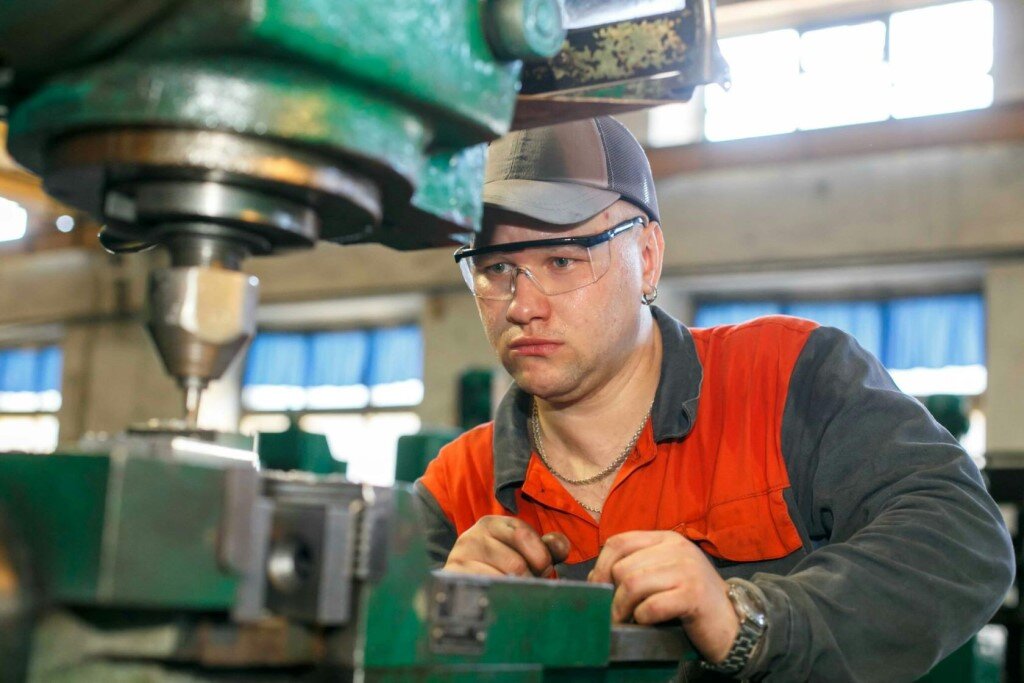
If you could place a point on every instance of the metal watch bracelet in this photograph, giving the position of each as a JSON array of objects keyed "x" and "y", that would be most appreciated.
[{"x": 753, "y": 624}]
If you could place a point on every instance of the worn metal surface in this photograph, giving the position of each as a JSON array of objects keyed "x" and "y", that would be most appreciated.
[
  {"x": 647, "y": 644},
  {"x": 621, "y": 57}
]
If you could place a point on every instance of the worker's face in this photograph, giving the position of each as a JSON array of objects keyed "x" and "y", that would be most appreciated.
[{"x": 565, "y": 346}]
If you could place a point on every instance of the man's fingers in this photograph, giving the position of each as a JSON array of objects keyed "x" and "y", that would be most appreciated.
[
  {"x": 640, "y": 585},
  {"x": 558, "y": 546},
  {"x": 620, "y": 546},
  {"x": 522, "y": 538},
  {"x": 642, "y": 559},
  {"x": 662, "y": 606},
  {"x": 472, "y": 567}
]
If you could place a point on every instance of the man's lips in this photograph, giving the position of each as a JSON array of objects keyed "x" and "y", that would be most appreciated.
[{"x": 534, "y": 346}]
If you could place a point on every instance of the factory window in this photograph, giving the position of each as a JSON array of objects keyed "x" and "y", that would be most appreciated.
[
  {"x": 13, "y": 221},
  {"x": 30, "y": 379},
  {"x": 350, "y": 385},
  {"x": 929, "y": 344},
  {"x": 933, "y": 60}
]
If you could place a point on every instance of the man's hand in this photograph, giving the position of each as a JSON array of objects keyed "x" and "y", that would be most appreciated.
[
  {"x": 506, "y": 546},
  {"x": 660, "y": 575}
]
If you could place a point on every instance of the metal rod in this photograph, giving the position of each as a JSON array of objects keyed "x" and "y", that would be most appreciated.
[{"x": 193, "y": 393}]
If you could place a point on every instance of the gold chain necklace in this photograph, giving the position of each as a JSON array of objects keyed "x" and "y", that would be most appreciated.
[{"x": 613, "y": 467}]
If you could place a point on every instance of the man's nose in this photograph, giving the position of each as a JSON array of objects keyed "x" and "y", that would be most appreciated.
[{"x": 528, "y": 301}]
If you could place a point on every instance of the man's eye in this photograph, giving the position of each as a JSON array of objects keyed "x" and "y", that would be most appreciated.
[
  {"x": 562, "y": 262},
  {"x": 496, "y": 268}
]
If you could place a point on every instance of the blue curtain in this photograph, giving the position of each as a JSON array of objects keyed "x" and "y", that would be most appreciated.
[
  {"x": 337, "y": 359},
  {"x": 865, "y": 320},
  {"x": 49, "y": 368},
  {"x": 397, "y": 355},
  {"x": 31, "y": 369},
  {"x": 308, "y": 359},
  {"x": 731, "y": 312},
  {"x": 910, "y": 332},
  {"x": 277, "y": 358},
  {"x": 935, "y": 331}
]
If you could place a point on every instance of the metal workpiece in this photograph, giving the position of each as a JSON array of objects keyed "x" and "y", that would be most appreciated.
[
  {"x": 631, "y": 643},
  {"x": 313, "y": 541}
]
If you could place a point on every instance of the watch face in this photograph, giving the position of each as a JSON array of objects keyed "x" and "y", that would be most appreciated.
[{"x": 746, "y": 607}]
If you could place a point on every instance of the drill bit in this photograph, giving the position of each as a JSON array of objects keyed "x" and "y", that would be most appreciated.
[{"x": 193, "y": 393}]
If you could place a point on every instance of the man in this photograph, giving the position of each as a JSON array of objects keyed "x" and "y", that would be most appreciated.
[{"x": 765, "y": 483}]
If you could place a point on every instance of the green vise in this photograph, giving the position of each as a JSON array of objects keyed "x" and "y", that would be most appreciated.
[{"x": 167, "y": 553}]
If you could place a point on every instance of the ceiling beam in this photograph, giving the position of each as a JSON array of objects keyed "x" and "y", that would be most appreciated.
[{"x": 1002, "y": 123}]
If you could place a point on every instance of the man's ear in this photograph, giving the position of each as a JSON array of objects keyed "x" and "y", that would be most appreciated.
[{"x": 652, "y": 253}]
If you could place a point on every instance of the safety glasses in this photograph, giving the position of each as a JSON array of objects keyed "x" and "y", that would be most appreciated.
[{"x": 555, "y": 266}]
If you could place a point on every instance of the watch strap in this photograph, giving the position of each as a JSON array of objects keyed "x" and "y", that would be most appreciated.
[{"x": 750, "y": 610}]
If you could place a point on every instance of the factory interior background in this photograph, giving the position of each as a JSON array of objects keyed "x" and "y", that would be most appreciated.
[{"x": 868, "y": 174}]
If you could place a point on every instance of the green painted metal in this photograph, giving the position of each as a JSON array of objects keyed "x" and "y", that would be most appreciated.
[
  {"x": 167, "y": 519},
  {"x": 138, "y": 533},
  {"x": 398, "y": 88},
  {"x": 531, "y": 616},
  {"x": 120, "y": 531},
  {"x": 415, "y": 451},
  {"x": 295, "y": 449},
  {"x": 56, "y": 503},
  {"x": 242, "y": 95},
  {"x": 977, "y": 661},
  {"x": 525, "y": 29}
]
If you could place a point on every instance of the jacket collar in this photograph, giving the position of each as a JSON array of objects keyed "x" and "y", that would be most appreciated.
[{"x": 673, "y": 415}]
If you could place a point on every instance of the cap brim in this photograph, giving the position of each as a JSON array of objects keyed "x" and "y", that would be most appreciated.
[{"x": 550, "y": 202}]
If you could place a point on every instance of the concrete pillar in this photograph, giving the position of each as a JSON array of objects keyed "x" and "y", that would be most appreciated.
[
  {"x": 113, "y": 378},
  {"x": 1008, "y": 46},
  {"x": 1004, "y": 297},
  {"x": 454, "y": 341}
]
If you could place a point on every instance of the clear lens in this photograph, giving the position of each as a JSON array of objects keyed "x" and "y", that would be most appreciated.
[{"x": 553, "y": 270}]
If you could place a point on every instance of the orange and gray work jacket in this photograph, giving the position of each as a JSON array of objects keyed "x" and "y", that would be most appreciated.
[{"x": 786, "y": 453}]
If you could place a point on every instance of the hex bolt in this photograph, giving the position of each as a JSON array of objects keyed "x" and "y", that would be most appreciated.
[{"x": 524, "y": 29}]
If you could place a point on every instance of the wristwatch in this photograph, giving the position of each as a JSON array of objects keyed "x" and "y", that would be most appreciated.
[{"x": 753, "y": 624}]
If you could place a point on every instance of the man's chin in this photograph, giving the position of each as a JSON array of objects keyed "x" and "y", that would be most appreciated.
[{"x": 536, "y": 384}]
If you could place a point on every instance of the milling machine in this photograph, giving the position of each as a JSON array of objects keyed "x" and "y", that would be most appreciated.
[{"x": 222, "y": 130}]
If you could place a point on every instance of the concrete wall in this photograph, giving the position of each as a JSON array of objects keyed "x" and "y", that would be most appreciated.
[
  {"x": 454, "y": 341},
  {"x": 1004, "y": 405}
]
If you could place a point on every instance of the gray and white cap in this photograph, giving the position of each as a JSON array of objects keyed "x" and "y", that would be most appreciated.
[{"x": 568, "y": 173}]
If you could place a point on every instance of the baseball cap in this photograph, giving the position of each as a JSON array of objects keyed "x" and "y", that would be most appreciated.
[{"x": 568, "y": 173}]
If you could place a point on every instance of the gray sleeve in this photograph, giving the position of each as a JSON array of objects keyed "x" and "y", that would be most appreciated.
[
  {"x": 439, "y": 531},
  {"x": 912, "y": 554}
]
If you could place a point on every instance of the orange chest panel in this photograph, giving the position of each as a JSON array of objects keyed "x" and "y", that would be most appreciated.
[{"x": 721, "y": 485}]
